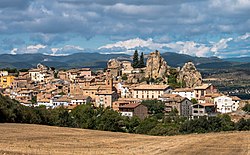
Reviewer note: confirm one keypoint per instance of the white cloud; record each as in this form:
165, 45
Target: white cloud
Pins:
222, 44
245, 36
34, 48
66, 50
220, 48
190, 48
134, 43
13, 51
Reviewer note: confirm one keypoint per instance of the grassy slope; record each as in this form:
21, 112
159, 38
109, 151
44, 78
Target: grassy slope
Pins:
38, 139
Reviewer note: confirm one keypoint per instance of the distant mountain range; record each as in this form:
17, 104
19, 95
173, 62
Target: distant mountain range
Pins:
97, 60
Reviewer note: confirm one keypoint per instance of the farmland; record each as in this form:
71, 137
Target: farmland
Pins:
39, 139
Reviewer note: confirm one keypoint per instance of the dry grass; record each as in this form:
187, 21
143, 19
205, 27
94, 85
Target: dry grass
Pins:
38, 139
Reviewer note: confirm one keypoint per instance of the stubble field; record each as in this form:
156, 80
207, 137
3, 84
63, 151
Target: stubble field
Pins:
39, 139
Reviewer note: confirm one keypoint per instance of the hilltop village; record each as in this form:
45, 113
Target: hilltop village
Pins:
122, 86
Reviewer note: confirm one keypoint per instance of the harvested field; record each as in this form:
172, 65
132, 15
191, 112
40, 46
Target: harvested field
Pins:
39, 139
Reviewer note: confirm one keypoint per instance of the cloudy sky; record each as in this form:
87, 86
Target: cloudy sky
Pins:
196, 27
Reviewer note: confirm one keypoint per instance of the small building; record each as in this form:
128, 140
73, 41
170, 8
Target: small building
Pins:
124, 101
4, 73
185, 92
6, 81
134, 109
182, 104
80, 99
226, 104
62, 101
105, 98
201, 91
206, 109
45, 102
150, 91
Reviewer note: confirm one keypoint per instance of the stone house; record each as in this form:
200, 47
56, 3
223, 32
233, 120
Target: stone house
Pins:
182, 104
201, 91
134, 109
124, 101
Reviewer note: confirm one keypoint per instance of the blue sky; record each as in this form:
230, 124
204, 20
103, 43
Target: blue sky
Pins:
59, 27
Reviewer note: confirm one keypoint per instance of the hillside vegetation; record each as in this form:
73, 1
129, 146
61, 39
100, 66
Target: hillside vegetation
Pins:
38, 139
99, 118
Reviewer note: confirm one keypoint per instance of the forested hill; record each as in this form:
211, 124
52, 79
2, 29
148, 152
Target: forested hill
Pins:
97, 60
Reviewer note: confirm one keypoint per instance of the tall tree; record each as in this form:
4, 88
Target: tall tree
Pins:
135, 60
141, 61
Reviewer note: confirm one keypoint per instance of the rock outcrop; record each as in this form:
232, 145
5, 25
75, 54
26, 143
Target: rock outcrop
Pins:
190, 75
114, 67
113, 63
156, 66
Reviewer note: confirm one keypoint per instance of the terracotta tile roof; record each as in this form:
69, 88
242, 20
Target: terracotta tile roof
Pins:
130, 106
62, 99
183, 90
207, 104
203, 86
149, 87
43, 100
129, 99
213, 95
104, 92
170, 95
175, 99
79, 97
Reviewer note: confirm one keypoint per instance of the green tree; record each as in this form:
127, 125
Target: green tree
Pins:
155, 107
83, 116
146, 125
194, 101
141, 61
243, 124
109, 120
124, 77
135, 59
132, 123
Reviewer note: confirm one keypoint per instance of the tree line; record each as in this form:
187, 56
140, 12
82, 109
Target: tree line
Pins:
89, 117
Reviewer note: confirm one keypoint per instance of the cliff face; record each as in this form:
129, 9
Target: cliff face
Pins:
156, 66
190, 75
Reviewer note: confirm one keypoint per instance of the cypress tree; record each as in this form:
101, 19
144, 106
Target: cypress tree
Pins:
135, 60
141, 61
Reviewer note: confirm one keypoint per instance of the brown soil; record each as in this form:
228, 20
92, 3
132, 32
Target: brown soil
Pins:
38, 139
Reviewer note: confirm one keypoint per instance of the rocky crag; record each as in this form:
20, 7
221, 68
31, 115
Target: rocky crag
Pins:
190, 75
156, 66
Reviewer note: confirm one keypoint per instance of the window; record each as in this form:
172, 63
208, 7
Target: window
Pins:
202, 93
